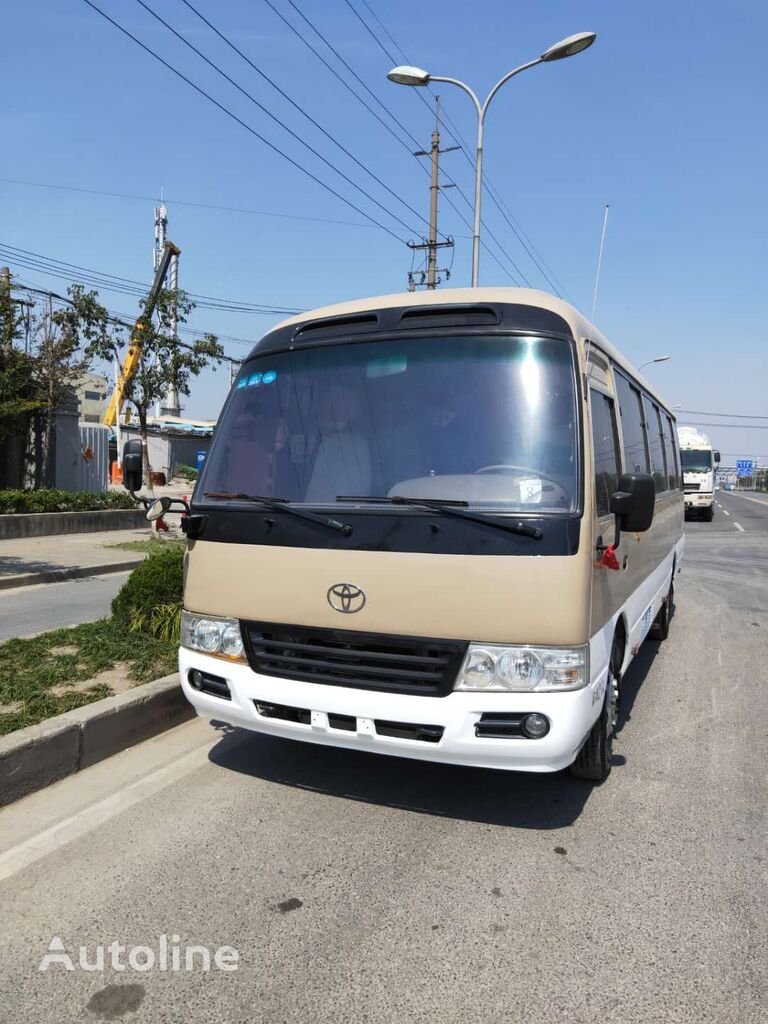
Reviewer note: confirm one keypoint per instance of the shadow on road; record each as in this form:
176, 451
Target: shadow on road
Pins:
468, 794
12, 565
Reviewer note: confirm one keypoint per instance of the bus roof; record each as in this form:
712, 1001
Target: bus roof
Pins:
579, 324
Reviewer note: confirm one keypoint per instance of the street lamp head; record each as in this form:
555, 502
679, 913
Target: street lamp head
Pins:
406, 75
661, 359
568, 47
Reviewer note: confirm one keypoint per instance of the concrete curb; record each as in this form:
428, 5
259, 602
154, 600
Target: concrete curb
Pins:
28, 579
47, 524
33, 758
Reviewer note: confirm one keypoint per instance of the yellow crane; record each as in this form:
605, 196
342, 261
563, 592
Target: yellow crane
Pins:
133, 355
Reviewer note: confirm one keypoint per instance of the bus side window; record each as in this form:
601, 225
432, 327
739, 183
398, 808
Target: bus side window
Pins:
605, 450
672, 460
632, 427
655, 444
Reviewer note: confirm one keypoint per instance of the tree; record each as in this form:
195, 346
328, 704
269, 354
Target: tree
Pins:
165, 362
18, 391
62, 343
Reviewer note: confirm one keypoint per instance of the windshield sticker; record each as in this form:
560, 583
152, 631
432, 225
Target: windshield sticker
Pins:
270, 377
254, 380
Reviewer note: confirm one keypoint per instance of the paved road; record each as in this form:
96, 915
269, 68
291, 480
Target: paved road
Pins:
25, 611
358, 888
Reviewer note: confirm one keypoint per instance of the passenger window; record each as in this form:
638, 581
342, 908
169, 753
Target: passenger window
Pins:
632, 432
671, 452
605, 448
655, 444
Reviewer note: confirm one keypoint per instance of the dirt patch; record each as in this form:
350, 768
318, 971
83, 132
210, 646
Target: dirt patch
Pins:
11, 709
116, 678
64, 649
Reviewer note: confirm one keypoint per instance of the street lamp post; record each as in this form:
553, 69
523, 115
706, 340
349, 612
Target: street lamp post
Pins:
658, 359
405, 75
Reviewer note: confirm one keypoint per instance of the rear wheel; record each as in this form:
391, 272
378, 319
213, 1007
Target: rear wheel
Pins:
660, 628
594, 759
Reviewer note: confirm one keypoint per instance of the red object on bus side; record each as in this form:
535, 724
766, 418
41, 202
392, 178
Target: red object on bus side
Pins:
609, 559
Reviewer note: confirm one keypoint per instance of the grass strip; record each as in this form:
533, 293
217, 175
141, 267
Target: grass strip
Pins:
39, 675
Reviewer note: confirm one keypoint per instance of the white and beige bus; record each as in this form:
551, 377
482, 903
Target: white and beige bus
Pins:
433, 525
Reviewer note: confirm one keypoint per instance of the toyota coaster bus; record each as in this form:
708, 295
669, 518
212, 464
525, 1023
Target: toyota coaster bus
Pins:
432, 525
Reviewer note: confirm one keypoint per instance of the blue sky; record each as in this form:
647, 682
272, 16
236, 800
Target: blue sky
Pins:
663, 118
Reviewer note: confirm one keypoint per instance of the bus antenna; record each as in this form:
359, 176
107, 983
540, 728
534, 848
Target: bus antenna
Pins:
597, 285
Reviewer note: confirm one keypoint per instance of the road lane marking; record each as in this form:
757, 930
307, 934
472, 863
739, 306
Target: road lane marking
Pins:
726, 512
739, 527
89, 818
757, 501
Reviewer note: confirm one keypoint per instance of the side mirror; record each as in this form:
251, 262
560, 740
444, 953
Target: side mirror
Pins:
633, 503
133, 465
716, 457
158, 508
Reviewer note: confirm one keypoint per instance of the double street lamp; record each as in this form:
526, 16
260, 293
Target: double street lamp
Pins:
405, 75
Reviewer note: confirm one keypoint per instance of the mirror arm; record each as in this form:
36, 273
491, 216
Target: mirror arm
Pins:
616, 537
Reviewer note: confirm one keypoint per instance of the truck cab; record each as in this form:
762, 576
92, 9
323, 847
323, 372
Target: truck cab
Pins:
699, 461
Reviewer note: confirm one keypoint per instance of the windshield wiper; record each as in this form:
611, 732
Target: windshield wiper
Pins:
450, 507
282, 505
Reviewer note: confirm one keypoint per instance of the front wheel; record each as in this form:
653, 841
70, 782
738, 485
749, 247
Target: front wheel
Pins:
593, 761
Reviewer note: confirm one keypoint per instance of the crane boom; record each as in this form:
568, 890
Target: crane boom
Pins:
133, 354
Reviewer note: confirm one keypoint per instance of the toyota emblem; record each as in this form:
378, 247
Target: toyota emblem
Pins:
346, 597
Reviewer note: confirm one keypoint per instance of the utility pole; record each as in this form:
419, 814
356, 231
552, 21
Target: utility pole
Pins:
170, 405
5, 303
431, 245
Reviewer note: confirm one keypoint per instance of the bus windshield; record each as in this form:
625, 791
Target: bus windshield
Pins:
696, 460
486, 420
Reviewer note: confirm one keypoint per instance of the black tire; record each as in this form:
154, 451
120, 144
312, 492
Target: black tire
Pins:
708, 514
660, 627
593, 761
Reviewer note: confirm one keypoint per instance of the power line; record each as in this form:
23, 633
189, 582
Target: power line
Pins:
277, 120
300, 109
506, 213
450, 180
302, 37
115, 318
13, 253
355, 75
183, 202
727, 415
726, 426
243, 124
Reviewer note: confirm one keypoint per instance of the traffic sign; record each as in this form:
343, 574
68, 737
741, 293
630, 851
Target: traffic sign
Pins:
744, 467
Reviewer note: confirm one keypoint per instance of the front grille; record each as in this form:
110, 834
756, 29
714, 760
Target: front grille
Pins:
368, 661
691, 487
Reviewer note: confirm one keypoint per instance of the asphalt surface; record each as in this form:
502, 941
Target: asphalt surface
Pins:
25, 611
362, 888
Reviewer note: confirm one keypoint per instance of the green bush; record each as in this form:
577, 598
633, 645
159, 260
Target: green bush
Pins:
186, 472
50, 499
158, 581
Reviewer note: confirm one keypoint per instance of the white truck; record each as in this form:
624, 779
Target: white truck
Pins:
699, 460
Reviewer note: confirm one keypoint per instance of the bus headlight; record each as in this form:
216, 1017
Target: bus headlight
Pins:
219, 637
496, 668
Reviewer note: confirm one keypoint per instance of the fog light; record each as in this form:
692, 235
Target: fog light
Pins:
196, 679
535, 726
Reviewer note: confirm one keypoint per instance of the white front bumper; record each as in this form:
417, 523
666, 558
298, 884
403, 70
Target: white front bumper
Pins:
699, 499
571, 716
